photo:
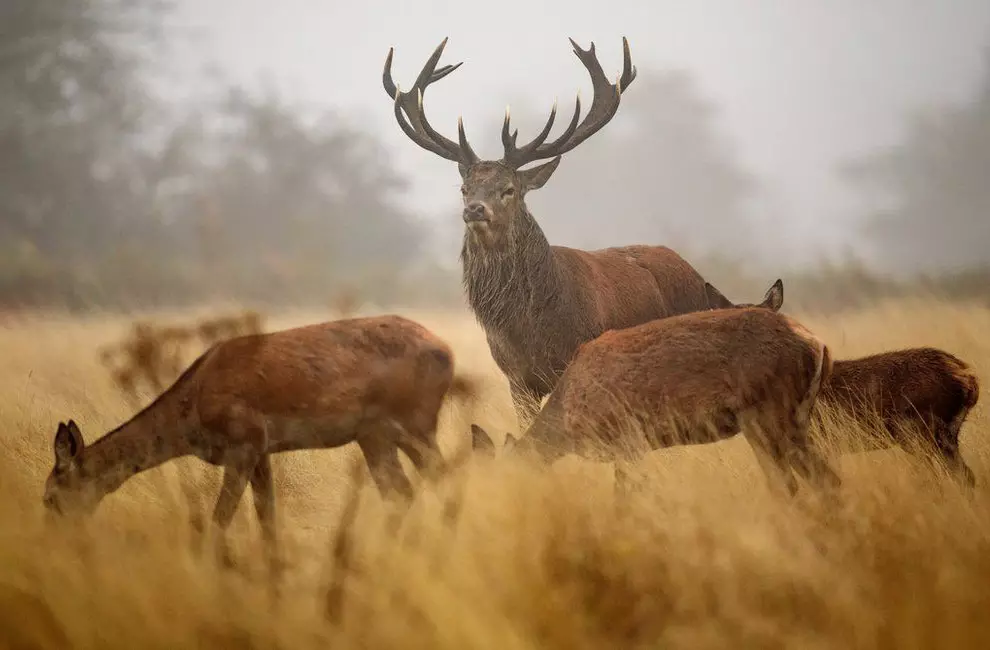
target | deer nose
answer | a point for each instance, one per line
(475, 211)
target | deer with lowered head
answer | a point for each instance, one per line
(538, 303)
(927, 389)
(689, 379)
(377, 381)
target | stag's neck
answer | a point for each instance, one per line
(508, 283)
(155, 435)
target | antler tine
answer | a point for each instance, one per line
(604, 105)
(628, 69)
(512, 153)
(417, 127)
(421, 138)
(469, 155)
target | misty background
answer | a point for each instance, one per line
(173, 151)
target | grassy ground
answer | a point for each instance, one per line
(703, 558)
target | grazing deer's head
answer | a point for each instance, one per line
(773, 300)
(66, 489)
(494, 191)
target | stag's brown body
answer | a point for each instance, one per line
(919, 394)
(690, 379)
(377, 381)
(538, 303)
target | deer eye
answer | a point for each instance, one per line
(507, 192)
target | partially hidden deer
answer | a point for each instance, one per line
(688, 379)
(921, 395)
(538, 303)
(378, 381)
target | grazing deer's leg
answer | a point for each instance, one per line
(263, 491)
(235, 480)
(424, 454)
(770, 458)
(809, 462)
(197, 520)
(947, 443)
(382, 455)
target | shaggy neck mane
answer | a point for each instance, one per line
(508, 282)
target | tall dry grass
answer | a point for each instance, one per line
(500, 556)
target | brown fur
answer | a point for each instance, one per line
(689, 379)
(919, 394)
(377, 381)
(536, 302)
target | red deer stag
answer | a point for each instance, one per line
(688, 379)
(924, 389)
(536, 302)
(378, 381)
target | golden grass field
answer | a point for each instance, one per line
(703, 557)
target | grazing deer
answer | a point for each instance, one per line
(378, 381)
(925, 389)
(538, 303)
(688, 379)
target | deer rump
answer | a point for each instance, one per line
(689, 379)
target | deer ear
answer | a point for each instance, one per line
(481, 442)
(68, 443)
(715, 298)
(536, 177)
(463, 169)
(775, 296)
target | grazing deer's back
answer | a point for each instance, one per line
(311, 369)
(694, 360)
(905, 380)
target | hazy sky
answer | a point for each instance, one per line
(800, 84)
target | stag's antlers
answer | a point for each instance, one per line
(603, 106)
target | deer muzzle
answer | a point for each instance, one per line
(477, 212)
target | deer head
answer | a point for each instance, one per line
(494, 191)
(773, 300)
(66, 489)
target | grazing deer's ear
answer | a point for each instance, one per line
(535, 177)
(68, 443)
(463, 169)
(715, 298)
(481, 442)
(775, 296)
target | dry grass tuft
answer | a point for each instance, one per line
(499, 556)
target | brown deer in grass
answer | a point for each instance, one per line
(924, 390)
(538, 303)
(688, 379)
(378, 381)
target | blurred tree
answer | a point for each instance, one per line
(659, 173)
(71, 105)
(105, 197)
(929, 194)
(278, 203)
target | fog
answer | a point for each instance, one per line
(177, 151)
(799, 87)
